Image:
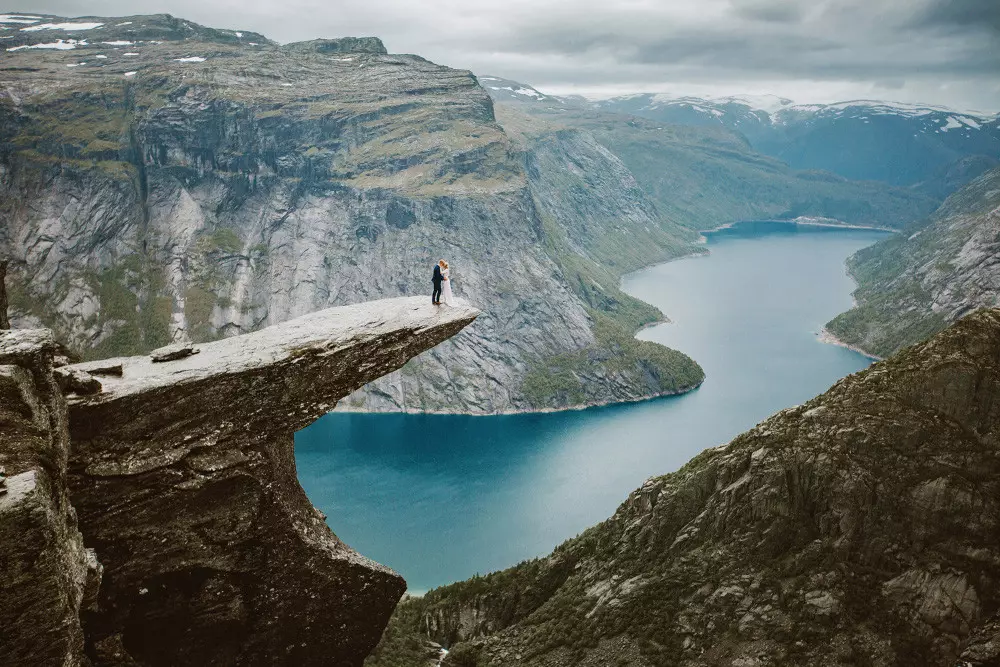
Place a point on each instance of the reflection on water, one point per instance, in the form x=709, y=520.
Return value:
x=441, y=497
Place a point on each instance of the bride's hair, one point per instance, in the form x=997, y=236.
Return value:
x=444, y=264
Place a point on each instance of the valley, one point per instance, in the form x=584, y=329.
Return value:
x=645, y=283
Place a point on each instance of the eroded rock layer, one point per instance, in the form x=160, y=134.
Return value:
x=183, y=475
x=43, y=563
x=180, y=467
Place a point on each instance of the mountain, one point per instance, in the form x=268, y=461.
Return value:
x=901, y=144
x=700, y=177
x=911, y=286
x=162, y=181
x=860, y=528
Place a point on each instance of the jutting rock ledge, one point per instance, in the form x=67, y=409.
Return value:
x=178, y=481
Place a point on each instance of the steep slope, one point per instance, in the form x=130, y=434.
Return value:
x=912, y=286
x=901, y=144
x=161, y=180
x=702, y=177
x=860, y=528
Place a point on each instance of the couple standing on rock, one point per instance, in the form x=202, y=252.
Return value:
x=442, y=284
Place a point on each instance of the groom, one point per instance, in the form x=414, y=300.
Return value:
x=437, y=279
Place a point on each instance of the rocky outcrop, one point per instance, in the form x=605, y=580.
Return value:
x=182, y=478
x=912, y=286
x=862, y=527
x=341, y=45
x=46, y=574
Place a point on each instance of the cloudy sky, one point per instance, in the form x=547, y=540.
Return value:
x=935, y=51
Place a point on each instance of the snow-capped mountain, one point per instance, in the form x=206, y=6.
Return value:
x=507, y=90
x=903, y=144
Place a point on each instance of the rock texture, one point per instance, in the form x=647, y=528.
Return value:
x=181, y=476
x=43, y=564
x=914, y=285
x=860, y=528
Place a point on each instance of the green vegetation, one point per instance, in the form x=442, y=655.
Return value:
x=909, y=285
x=645, y=368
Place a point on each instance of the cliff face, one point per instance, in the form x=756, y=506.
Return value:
x=912, y=286
x=206, y=183
x=858, y=528
x=181, y=476
x=46, y=574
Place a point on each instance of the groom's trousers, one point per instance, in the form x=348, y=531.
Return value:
x=436, y=294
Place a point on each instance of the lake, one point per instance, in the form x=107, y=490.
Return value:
x=440, y=498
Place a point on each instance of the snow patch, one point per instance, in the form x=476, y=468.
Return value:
x=19, y=18
x=125, y=23
x=951, y=124
x=58, y=45
x=62, y=26
x=119, y=42
x=191, y=59
x=528, y=92
x=239, y=35
x=102, y=57
x=130, y=54
x=130, y=73
x=75, y=64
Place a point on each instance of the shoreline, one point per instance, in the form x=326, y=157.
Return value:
x=828, y=223
x=824, y=336
x=507, y=413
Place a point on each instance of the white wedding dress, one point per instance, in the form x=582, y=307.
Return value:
x=446, y=297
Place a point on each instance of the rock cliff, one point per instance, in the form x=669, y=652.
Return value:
x=179, y=478
x=859, y=528
x=46, y=574
x=914, y=285
x=202, y=183
x=162, y=180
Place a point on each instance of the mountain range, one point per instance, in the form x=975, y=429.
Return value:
x=932, y=148
x=166, y=181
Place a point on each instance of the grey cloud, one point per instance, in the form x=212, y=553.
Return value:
x=770, y=11
x=984, y=14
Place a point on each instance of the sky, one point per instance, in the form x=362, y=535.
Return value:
x=944, y=52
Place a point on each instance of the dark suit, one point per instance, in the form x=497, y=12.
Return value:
x=437, y=279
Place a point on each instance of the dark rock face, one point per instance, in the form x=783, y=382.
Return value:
x=43, y=564
x=183, y=477
x=862, y=527
x=4, y=318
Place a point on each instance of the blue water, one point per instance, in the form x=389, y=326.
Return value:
x=440, y=497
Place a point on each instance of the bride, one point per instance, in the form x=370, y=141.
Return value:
x=446, y=296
